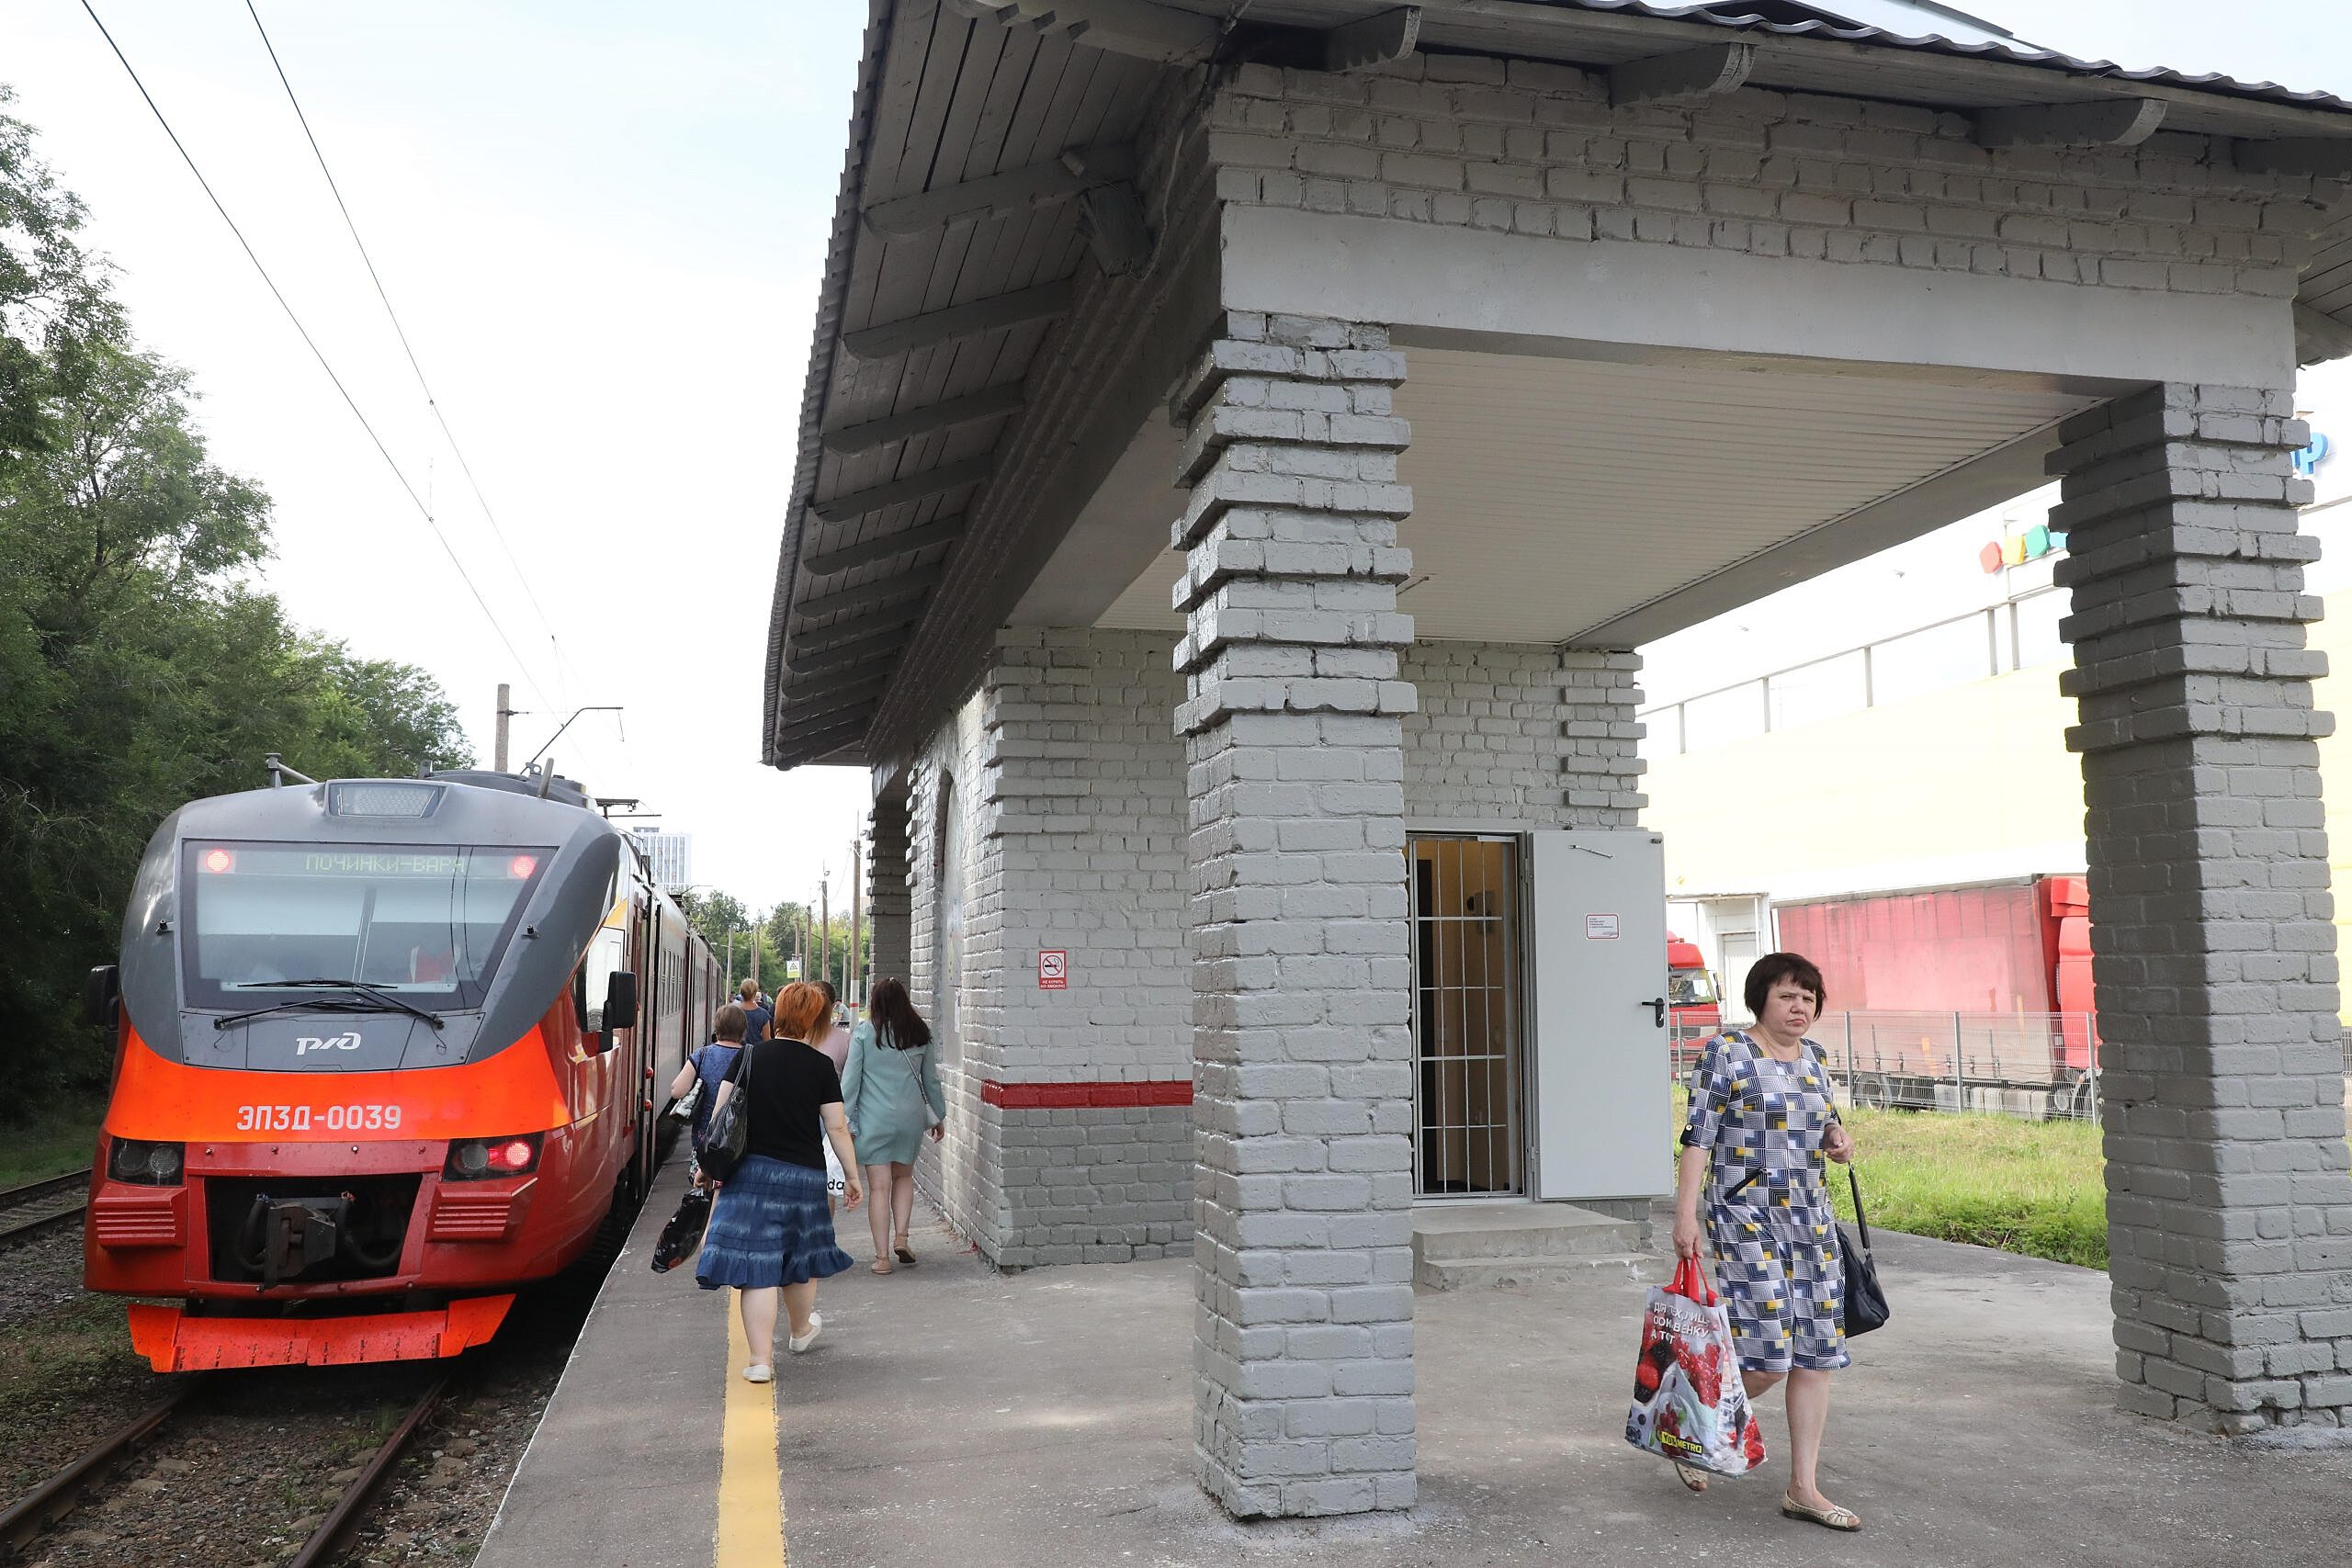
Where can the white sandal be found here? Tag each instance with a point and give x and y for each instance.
(796, 1343)
(759, 1371)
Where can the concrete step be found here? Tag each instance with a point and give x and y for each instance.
(1476, 1245)
(1496, 1273)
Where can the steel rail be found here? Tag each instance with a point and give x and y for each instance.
(11, 1197)
(57, 1496)
(348, 1509)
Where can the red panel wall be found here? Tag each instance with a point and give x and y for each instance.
(1963, 949)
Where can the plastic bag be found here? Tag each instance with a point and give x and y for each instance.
(1688, 1404)
(682, 1234)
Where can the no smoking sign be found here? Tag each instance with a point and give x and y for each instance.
(1052, 969)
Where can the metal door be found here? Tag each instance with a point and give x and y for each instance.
(1469, 1120)
(1601, 1092)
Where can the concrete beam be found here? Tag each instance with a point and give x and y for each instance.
(818, 724)
(880, 663)
(2319, 336)
(1375, 41)
(1041, 304)
(2326, 156)
(906, 541)
(994, 196)
(1134, 27)
(929, 420)
(913, 486)
(2108, 122)
(881, 590)
(1686, 74)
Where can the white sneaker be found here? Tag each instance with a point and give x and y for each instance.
(759, 1371)
(796, 1343)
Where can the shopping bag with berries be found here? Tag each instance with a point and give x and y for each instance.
(1688, 1402)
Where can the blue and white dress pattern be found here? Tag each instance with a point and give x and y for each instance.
(1769, 1219)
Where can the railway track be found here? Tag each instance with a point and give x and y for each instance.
(76, 1482)
(39, 1207)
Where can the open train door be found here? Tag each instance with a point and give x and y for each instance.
(1598, 944)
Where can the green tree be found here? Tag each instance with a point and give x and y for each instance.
(140, 665)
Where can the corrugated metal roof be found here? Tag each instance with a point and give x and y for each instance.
(1730, 13)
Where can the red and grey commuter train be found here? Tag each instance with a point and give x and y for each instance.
(385, 1049)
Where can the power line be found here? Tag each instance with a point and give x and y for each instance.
(401, 333)
(423, 510)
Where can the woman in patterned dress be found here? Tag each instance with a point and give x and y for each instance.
(1761, 1120)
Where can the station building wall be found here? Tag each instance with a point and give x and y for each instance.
(1060, 786)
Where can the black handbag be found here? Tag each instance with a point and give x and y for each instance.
(1866, 1305)
(730, 1127)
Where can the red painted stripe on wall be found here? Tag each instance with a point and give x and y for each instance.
(1085, 1095)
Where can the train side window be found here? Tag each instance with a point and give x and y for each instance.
(605, 959)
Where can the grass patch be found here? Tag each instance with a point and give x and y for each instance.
(2036, 1188)
(61, 1139)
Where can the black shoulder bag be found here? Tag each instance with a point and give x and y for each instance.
(1866, 1305)
(730, 1127)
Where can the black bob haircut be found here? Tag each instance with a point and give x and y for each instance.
(1774, 967)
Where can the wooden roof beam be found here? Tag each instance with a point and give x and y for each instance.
(831, 563)
(2319, 337)
(912, 487)
(846, 643)
(929, 420)
(2106, 122)
(833, 699)
(1040, 303)
(2324, 156)
(1375, 41)
(855, 666)
(807, 744)
(1686, 74)
(1075, 173)
(1136, 28)
(881, 590)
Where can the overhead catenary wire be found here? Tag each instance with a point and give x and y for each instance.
(384, 296)
(316, 353)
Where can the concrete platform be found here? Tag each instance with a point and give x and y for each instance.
(952, 1414)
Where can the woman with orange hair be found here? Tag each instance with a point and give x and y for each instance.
(771, 1231)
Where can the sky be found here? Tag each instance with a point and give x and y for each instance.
(602, 225)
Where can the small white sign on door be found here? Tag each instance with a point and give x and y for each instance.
(1600, 928)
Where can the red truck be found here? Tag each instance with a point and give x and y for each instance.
(1690, 993)
(2006, 949)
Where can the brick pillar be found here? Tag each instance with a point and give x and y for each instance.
(888, 902)
(2229, 1209)
(1302, 1048)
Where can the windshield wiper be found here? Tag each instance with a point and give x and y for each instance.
(384, 999)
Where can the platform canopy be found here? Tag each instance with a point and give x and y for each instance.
(991, 150)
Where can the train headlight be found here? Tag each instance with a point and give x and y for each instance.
(149, 1164)
(475, 1159)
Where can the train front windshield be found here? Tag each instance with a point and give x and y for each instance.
(427, 924)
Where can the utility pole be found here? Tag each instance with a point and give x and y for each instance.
(755, 934)
(730, 958)
(855, 969)
(825, 927)
(505, 712)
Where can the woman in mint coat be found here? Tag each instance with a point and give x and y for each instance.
(891, 1093)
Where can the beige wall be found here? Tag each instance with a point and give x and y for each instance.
(1971, 784)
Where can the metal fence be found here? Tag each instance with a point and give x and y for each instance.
(2040, 1066)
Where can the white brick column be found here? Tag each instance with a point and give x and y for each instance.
(1304, 1369)
(2229, 1211)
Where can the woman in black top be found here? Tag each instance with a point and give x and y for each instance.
(771, 1230)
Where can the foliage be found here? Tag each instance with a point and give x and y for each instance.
(140, 666)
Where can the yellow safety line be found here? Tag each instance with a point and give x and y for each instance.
(750, 1483)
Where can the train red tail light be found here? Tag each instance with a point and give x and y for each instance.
(521, 867)
(477, 1159)
(219, 860)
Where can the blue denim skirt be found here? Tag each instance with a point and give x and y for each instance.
(770, 1226)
